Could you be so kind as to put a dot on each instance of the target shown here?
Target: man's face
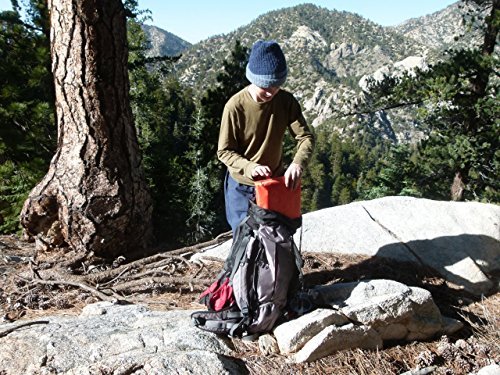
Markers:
(265, 94)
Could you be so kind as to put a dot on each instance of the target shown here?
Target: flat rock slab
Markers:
(109, 338)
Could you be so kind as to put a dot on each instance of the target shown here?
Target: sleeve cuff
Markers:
(249, 169)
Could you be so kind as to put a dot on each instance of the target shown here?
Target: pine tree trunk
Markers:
(480, 81)
(94, 196)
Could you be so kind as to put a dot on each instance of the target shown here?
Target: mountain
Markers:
(437, 30)
(164, 43)
(330, 53)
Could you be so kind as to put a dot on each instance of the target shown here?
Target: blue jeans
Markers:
(237, 197)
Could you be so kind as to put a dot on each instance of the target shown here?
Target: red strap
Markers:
(219, 295)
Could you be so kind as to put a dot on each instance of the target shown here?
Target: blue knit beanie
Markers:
(266, 65)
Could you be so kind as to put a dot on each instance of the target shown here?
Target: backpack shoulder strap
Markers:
(242, 237)
(299, 262)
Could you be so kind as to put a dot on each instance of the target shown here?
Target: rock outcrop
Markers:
(460, 240)
(409, 66)
(163, 43)
(112, 339)
(362, 315)
(108, 338)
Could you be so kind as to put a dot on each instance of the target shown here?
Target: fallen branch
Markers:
(159, 280)
(196, 248)
(105, 276)
(88, 288)
(12, 329)
(77, 258)
(154, 273)
(115, 278)
(202, 266)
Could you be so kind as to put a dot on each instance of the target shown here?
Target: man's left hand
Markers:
(292, 176)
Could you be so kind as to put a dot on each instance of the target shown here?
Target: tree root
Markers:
(117, 283)
(93, 291)
(145, 284)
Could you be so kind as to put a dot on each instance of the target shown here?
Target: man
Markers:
(252, 131)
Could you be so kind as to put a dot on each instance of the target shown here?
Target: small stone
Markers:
(268, 345)
(99, 308)
(13, 259)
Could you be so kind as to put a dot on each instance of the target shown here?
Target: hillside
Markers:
(164, 43)
(328, 53)
(437, 30)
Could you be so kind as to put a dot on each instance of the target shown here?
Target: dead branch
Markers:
(12, 329)
(153, 272)
(115, 278)
(88, 288)
(182, 260)
(202, 267)
(196, 248)
(159, 280)
(170, 261)
(104, 276)
(78, 257)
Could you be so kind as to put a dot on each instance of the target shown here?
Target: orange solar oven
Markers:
(272, 194)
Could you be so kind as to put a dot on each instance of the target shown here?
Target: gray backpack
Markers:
(262, 272)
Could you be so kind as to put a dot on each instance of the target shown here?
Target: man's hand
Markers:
(261, 171)
(292, 176)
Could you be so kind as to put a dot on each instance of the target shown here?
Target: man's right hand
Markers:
(261, 171)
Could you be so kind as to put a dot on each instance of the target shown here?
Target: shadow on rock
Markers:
(470, 261)
(438, 259)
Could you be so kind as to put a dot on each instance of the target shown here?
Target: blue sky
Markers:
(195, 20)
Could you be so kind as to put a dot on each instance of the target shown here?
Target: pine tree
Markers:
(94, 198)
(458, 102)
(202, 221)
(27, 130)
(231, 80)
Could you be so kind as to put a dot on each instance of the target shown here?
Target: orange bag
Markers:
(272, 194)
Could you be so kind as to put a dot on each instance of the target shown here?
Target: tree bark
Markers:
(94, 197)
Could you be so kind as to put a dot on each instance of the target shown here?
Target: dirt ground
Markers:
(475, 346)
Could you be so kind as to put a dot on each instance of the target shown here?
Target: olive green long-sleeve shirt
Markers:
(252, 133)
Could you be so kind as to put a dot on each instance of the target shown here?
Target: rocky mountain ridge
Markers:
(330, 53)
(164, 43)
(437, 30)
